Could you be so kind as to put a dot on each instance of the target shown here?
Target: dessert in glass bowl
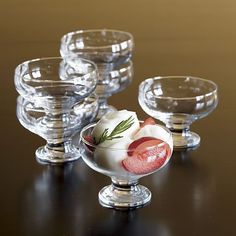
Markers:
(125, 149)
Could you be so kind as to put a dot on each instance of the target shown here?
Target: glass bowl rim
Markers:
(181, 76)
(77, 32)
(23, 102)
(26, 63)
(89, 144)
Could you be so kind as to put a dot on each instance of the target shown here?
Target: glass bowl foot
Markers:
(183, 140)
(124, 197)
(57, 154)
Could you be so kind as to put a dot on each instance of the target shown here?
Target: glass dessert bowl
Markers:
(54, 94)
(99, 45)
(119, 147)
(111, 50)
(35, 120)
(178, 101)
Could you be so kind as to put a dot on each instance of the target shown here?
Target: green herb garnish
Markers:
(120, 128)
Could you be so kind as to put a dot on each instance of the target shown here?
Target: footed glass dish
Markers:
(111, 50)
(58, 134)
(56, 101)
(178, 101)
(125, 167)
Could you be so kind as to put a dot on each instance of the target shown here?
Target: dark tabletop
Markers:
(195, 194)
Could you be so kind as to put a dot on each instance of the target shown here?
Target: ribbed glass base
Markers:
(183, 140)
(57, 154)
(124, 197)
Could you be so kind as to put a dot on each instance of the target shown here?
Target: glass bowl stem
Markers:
(124, 195)
(57, 153)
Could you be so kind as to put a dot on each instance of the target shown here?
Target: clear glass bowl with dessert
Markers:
(125, 149)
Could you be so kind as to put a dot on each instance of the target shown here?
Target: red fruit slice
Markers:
(90, 140)
(136, 143)
(148, 121)
(147, 157)
(150, 146)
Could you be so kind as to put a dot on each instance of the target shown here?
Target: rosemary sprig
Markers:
(120, 128)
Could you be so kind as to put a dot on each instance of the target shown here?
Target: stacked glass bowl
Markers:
(111, 50)
(56, 100)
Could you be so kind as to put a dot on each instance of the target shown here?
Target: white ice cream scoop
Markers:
(110, 152)
(109, 155)
(155, 131)
(111, 120)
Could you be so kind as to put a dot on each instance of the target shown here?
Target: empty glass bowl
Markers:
(125, 168)
(178, 101)
(54, 83)
(57, 133)
(52, 90)
(111, 50)
(98, 45)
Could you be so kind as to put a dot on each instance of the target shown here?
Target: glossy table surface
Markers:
(196, 193)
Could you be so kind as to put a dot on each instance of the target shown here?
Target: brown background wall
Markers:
(172, 37)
